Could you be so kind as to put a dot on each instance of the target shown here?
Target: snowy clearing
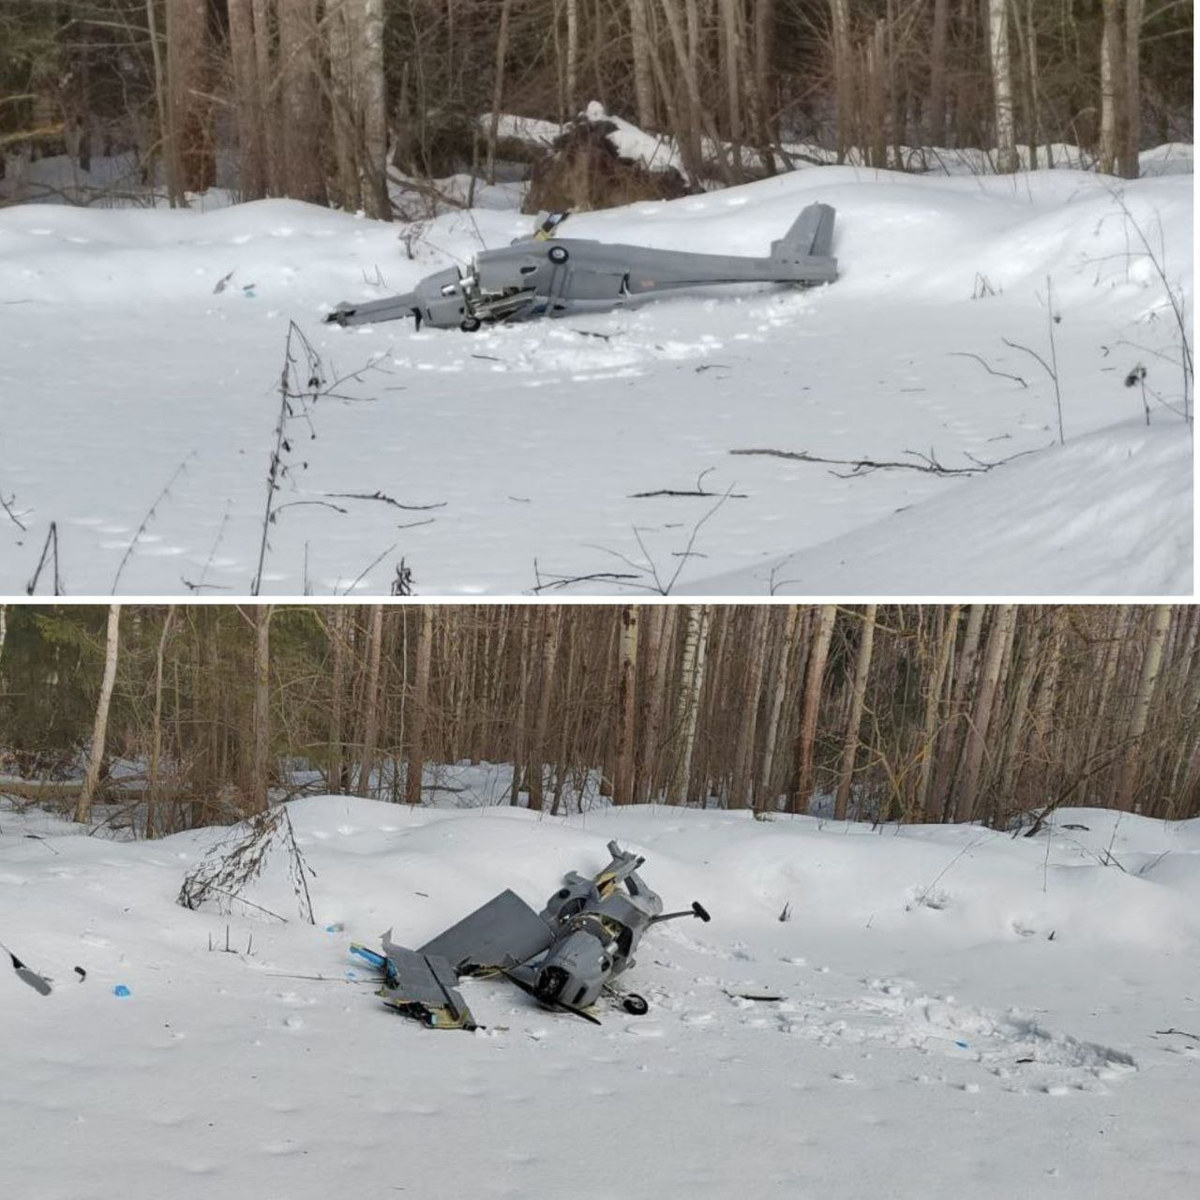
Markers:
(962, 1014)
(137, 342)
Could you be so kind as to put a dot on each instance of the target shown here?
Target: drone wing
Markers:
(503, 933)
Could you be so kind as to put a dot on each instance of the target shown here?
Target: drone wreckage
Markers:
(545, 275)
(566, 957)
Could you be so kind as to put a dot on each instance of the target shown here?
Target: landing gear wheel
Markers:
(558, 255)
(635, 1005)
(470, 324)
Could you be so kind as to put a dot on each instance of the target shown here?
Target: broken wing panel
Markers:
(503, 933)
(424, 986)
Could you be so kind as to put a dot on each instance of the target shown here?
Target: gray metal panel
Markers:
(503, 932)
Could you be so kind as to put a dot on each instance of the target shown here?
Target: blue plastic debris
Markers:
(336, 927)
(961, 1045)
(120, 990)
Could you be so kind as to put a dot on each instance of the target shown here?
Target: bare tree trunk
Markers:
(643, 70)
(989, 681)
(963, 675)
(268, 98)
(371, 703)
(744, 776)
(858, 695)
(624, 782)
(260, 762)
(843, 71)
(653, 775)
(937, 74)
(1112, 67)
(520, 734)
(766, 796)
(1007, 159)
(301, 127)
(252, 156)
(1128, 785)
(572, 75)
(374, 112)
(188, 92)
(168, 146)
(1135, 11)
(91, 778)
(154, 792)
(552, 619)
(932, 719)
(805, 783)
(497, 90)
(338, 625)
(691, 686)
(415, 769)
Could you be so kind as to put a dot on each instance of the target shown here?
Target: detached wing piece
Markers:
(501, 934)
(547, 275)
(424, 983)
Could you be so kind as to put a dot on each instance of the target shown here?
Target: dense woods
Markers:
(319, 99)
(193, 714)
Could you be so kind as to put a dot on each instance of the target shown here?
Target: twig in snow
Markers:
(383, 499)
(928, 463)
(983, 362)
(370, 566)
(151, 513)
(698, 490)
(51, 548)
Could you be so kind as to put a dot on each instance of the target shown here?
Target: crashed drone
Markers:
(545, 275)
(566, 957)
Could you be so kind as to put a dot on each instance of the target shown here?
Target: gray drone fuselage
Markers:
(552, 276)
(565, 956)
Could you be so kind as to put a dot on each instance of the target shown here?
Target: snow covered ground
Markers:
(124, 357)
(962, 1014)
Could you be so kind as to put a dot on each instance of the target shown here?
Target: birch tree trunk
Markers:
(858, 695)
(415, 769)
(154, 795)
(259, 770)
(572, 74)
(520, 735)
(1152, 659)
(374, 112)
(551, 633)
(745, 775)
(1111, 70)
(1007, 159)
(371, 702)
(805, 781)
(691, 688)
(963, 676)
(967, 805)
(624, 782)
(91, 778)
(337, 701)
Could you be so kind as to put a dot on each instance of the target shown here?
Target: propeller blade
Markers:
(554, 1005)
(32, 978)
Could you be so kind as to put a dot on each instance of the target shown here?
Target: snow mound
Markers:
(554, 442)
(1042, 976)
(1063, 519)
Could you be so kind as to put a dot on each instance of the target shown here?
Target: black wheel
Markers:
(635, 1005)
(559, 254)
(470, 324)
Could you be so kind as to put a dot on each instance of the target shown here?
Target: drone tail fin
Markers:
(808, 243)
